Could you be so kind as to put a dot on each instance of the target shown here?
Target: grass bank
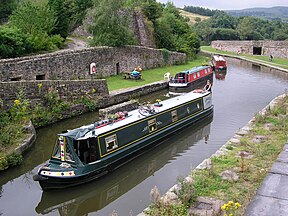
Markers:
(249, 159)
(278, 62)
(152, 75)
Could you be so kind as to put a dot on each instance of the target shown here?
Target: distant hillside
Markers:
(192, 16)
(274, 13)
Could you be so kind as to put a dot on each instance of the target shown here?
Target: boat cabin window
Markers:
(174, 115)
(86, 150)
(57, 148)
(111, 142)
(152, 125)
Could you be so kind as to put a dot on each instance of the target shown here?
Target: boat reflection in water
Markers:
(95, 195)
(220, 74)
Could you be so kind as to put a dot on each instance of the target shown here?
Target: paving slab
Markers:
(267, 206)
(279, 168)
(283, 157)
(274, 185)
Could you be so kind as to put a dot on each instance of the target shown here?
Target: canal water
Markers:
(237, 96)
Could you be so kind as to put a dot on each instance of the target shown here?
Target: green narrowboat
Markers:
(89, 152)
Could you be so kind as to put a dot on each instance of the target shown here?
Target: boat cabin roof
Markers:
(218, 58)
(89, 131)
(194, 69)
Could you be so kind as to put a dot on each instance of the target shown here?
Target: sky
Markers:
(228, 4)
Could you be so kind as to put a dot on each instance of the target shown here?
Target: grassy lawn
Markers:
(152, 75)
(279, 62)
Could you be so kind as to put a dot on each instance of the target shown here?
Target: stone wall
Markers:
(36, 90)
(119, 96)
(274, 48)
(72, 65)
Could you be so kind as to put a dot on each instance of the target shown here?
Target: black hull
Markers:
(48, 183)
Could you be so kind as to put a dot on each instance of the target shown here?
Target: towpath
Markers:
(272, 197)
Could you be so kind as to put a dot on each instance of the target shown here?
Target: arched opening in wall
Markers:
(15, 79)
(257, 50)
(117, 68)
(40, 77)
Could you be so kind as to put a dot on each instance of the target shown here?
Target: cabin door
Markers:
(86, 150)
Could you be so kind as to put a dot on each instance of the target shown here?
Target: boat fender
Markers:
(198, 91)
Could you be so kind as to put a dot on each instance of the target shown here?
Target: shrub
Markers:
(14, 159)
(13, 43)
(3, 163)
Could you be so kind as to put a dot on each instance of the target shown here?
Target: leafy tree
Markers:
(174, 33)
(61, 18)
(279, 35)
(6, 8)
(224, 27)
(152, 10)
(197, 19)
(200, 10)
(190, 45)
(110, 26)
(164, 33)
(13, 42)
(38, 28)
(247, 29)
(204, 31)
(224, 34)
(78, 10)
(41, 21)
(222, 20)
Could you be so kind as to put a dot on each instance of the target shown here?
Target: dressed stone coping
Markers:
(126, 106)
(29, 141)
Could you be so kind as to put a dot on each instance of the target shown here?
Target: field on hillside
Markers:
(192, 16)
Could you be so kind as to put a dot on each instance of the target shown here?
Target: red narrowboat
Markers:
(219, 63)
(190, 79)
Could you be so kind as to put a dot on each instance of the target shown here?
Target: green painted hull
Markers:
(132, 140)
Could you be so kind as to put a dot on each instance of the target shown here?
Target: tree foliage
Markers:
(152, 10)
(39, 28)
(13, 43)
(33, 17)
(77, 10)
(222, 26)
(174, 33)
(60, 15)
(110, 26)
(6, 8)
(200, 10)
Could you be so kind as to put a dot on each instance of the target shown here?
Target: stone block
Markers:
(280, 168)
(267, 206)
(274, 185)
